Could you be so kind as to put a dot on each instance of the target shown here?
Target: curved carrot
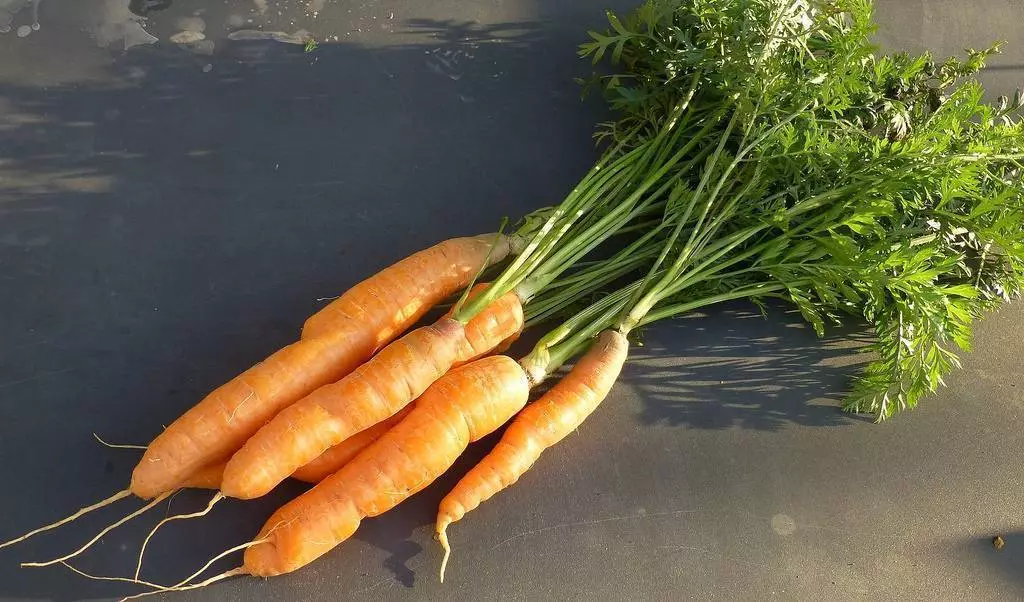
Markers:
(466, 404)
(542, 424)
(335, 341)
(332, 460)
(381, 387)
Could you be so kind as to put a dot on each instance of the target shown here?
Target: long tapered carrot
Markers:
(542, 424)
(465, 405)
(381, 387)
(335, 340)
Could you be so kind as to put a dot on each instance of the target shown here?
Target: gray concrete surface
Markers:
(171, 211)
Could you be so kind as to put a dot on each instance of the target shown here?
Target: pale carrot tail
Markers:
(181, 588)
(105, 578)
(442, 536)
(216, 498)
(120, 495)
(118, 445)
(99, 535)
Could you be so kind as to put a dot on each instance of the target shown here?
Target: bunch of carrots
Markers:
(761, 150)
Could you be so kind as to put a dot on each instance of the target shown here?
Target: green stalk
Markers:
(560, 293)
(584, 195)
(678, 309)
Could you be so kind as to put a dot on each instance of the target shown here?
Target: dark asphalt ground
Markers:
(170, 212)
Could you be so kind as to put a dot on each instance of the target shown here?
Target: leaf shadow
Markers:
(733, 368)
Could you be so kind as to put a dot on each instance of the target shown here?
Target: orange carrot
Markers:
(466, 404)
(332, 460)
(397, 296)
(381, 387)
(324, 465)
(335, 340)
(542, 424)
(504, 312)
(207, 477)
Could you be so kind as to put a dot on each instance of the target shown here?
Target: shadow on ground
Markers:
(736, 368)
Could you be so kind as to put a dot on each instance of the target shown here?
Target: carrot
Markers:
(207, 477)
(381, 387)
(399, 295)
(327, 463)
(466, 404)
(332, 460)
(541, 425)
(480, 331)
(335, 340)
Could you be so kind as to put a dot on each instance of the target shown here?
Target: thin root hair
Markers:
(120, 495)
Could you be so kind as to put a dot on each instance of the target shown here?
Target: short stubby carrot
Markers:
(466, 404)
(332, 460)
(335, 341)
(398, 295)
(379, 388)
(541, 425)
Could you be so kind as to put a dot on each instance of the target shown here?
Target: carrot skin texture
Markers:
(391, 298)
(374, 391)
(326, 464)
(335, 341)
(207, 477)
(539, 426)
(493, 330)
(221, 422)
(465, 405)
(505, 315)
(337, 456)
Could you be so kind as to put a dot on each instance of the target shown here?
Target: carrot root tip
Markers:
(118, 445)
(216, 498)
(99, 535)
(120, 495)
(442, 536)
(103, 578)
(180, 588)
